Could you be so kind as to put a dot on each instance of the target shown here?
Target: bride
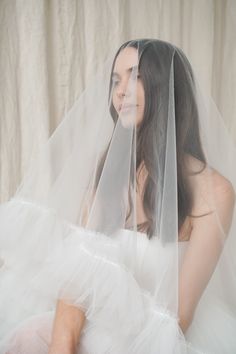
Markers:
(119, 239)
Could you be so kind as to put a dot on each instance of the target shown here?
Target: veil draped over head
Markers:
(127, 214)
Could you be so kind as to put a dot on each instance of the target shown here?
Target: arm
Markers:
(68, 323)
(205, 246)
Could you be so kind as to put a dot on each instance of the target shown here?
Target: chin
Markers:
(128, 121)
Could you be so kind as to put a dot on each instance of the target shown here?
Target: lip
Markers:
(126, 107)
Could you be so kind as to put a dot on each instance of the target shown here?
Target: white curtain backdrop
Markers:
(47, 51)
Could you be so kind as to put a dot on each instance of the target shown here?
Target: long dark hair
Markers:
(155, 58)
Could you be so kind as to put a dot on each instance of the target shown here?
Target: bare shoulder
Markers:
(210, 189)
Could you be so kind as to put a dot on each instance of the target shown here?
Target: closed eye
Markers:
(115, 80)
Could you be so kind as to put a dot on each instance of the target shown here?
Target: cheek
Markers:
(141, 103)
(141, 100)
(140, 94)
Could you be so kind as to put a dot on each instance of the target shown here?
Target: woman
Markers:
(140, 275)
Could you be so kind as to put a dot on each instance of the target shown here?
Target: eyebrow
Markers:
(128, 70)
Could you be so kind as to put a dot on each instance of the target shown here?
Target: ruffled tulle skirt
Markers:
(44, 258)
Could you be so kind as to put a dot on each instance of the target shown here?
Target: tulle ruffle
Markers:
(44, 258)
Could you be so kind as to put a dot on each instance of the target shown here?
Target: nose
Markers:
(122, 90)
(120, 93)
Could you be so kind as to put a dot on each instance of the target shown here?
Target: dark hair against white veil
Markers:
(154, 55)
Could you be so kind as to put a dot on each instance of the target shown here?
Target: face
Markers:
(128, 92)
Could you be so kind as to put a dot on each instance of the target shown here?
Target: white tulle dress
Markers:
(117, 293)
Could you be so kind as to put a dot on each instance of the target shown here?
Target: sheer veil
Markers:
(105, 216)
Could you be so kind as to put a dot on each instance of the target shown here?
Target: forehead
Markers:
(126, 59)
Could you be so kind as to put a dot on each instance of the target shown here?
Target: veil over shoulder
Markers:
(127, 212)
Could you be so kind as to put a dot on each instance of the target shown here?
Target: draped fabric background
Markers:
(48, 50)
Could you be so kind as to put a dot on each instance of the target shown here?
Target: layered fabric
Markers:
(136, 182)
